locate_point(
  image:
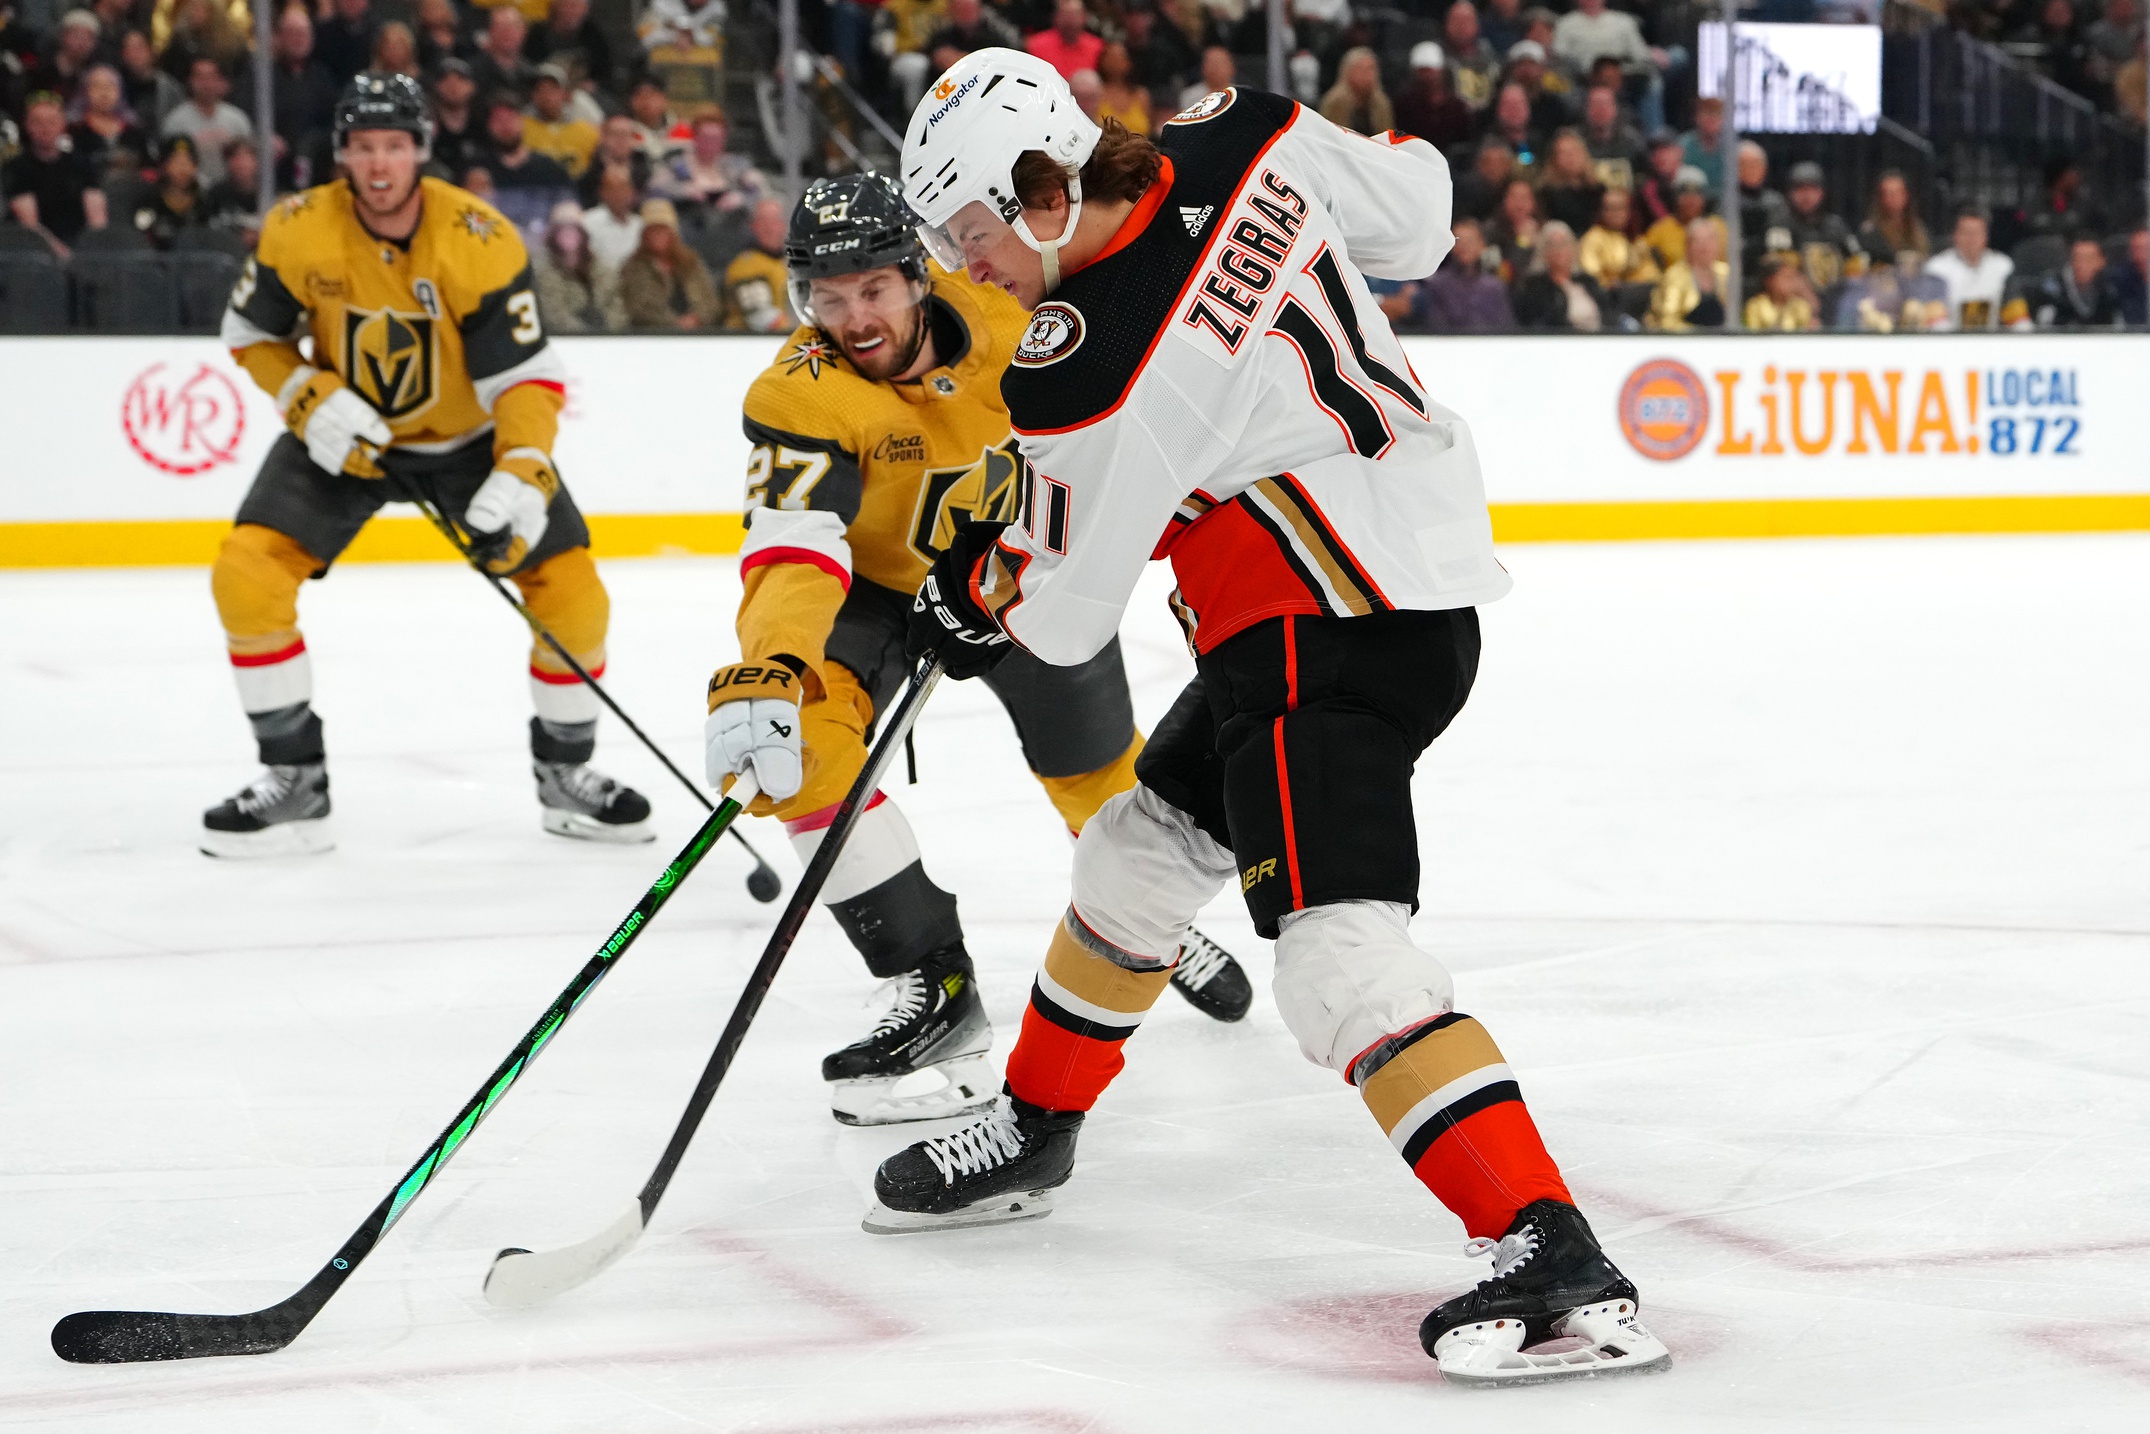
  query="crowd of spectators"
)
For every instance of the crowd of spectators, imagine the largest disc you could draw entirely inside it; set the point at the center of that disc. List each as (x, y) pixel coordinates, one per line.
(1590, 180)
(130, 126)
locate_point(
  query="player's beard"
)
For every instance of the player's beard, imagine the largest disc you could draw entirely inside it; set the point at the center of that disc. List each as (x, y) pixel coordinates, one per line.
(373, 203)
(895, 352)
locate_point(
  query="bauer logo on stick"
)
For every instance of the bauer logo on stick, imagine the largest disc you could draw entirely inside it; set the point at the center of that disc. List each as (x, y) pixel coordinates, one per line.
(1055, 332)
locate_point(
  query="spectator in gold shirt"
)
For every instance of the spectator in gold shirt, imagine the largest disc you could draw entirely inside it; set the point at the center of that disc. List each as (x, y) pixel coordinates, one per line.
(1692, 293)
(1610, 253)
(550, 130)
(1782, 306)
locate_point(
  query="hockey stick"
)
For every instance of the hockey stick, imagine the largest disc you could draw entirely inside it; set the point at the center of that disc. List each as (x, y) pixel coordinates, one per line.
(133, 1336)
(524, 1277)
(763, 884)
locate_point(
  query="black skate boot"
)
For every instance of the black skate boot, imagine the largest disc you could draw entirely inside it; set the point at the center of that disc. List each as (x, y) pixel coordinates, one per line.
(935, 1022)
(282, 812)
(1550, 1282)
(581, 802)
(575, 799)
(1211, 980)
(1005, 1167)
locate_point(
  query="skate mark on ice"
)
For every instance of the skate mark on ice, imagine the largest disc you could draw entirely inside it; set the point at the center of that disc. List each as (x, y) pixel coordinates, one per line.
(855, 1322)
(866, 1321)
(1651, 1218)
(1014, 1421)
(2118, 1351)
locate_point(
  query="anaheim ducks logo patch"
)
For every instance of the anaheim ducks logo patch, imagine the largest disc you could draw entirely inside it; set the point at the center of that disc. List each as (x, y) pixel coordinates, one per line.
(1055, 332)
(1215, 103)
(389, 358)
(810, 355)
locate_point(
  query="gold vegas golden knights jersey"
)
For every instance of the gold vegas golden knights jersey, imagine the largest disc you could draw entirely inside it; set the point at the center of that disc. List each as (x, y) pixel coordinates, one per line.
(850, 476)
(434, 332)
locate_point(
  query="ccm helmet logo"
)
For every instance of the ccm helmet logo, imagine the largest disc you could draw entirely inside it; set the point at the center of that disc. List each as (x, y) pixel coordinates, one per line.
(951, 99)
(837, 247)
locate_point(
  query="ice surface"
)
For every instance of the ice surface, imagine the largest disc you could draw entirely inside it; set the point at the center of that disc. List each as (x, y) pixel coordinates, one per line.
(1806, 885)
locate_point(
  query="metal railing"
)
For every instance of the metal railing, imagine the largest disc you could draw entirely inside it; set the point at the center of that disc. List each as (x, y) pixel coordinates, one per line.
(1994, 123)
(115, 293)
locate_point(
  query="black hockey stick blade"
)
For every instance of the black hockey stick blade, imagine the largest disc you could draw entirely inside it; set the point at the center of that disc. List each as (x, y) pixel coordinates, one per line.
(519, 1277)
(140, 1336)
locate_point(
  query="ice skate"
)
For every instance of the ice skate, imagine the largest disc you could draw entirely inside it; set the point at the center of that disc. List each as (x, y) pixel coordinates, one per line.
(581, 802)
(282, 812)
(925, 1058)
(1555, 1308)
(1000, 1169)
(1213, 982)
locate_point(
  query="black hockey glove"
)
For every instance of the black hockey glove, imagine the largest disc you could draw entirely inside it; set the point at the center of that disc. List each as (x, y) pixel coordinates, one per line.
(946, 620)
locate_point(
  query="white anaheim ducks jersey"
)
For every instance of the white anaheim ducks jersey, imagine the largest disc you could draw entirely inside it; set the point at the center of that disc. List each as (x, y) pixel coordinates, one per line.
(1219, 387)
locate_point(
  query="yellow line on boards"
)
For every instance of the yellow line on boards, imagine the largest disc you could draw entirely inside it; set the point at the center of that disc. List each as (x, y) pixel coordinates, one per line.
(180, 542)
(1817, 517)
(193, 543)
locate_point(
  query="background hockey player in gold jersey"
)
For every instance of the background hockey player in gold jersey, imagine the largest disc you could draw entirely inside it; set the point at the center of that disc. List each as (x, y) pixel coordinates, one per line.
(429, 378)
(879, 434)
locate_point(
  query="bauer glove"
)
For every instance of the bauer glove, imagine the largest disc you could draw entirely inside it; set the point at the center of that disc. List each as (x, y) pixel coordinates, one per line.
(753, 727)
(945, 616)
(506, 516)
(341, 431)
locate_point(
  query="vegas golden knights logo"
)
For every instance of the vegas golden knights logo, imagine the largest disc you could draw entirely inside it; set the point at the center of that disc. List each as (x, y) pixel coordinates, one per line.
(985, 491)
(388, 357)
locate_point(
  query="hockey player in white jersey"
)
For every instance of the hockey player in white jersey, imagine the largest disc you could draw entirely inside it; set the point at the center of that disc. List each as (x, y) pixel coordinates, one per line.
(1206, 379)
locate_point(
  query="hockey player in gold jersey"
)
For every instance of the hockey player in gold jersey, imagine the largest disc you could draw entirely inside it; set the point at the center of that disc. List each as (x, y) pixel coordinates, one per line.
(429, 377)
(878, 434)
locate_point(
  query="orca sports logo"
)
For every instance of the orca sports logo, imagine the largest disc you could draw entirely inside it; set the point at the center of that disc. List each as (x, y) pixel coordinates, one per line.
(1055, 332)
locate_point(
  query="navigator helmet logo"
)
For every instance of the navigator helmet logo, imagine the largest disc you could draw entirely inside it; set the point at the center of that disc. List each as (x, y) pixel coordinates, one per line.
(951, 100)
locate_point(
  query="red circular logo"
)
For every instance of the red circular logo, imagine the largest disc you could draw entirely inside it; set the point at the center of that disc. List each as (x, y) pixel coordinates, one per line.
(1664, 409)
(183, 426)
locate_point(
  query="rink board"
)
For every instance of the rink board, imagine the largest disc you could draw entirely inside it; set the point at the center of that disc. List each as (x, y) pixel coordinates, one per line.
(137, 451)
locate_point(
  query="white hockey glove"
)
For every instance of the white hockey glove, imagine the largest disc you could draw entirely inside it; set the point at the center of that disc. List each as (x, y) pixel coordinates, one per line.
(753, 727)
(506, 516)
(341, 431)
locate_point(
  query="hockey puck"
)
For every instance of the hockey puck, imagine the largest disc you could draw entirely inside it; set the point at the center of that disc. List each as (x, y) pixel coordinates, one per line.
(764, 884)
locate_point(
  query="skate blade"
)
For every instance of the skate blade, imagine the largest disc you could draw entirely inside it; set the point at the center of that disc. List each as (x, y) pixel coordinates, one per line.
(1000, 1210)
(587, 828)
(967, 1086)
(1612, 1341)
(308, 837)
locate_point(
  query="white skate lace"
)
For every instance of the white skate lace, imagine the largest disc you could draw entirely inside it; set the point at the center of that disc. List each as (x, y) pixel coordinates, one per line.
(906, 995)
(266, 790)
(591, 788)
(976, 1149)
(1199, 961)
(1508, 1252)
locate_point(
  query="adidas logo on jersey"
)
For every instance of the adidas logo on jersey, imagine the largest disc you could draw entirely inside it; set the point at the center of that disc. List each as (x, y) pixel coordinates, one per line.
(1195, 218)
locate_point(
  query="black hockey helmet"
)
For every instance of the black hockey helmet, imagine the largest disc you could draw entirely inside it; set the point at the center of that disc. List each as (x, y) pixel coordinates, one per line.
(377, 100)
(847, 225)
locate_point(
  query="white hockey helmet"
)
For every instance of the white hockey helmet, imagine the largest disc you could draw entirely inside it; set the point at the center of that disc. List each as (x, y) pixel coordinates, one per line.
(968, 132)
